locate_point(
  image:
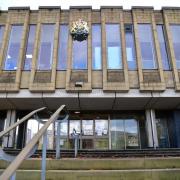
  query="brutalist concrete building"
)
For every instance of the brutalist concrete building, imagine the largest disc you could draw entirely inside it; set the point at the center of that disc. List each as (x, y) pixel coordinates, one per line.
(116, 70)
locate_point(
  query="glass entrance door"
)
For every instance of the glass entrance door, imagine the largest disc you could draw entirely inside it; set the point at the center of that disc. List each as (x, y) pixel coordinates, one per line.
(124, 133)
(33, 126)
(117, 134)
(87, 134)
(162, 132)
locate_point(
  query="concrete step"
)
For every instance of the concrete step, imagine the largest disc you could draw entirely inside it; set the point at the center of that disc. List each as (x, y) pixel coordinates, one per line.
(144, 174)
(99, 164)
(106, 153)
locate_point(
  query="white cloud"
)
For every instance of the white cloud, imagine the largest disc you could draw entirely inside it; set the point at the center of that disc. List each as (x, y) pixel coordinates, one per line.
(4, 4)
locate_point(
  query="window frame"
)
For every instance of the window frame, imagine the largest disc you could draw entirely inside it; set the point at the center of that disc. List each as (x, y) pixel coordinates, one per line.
(101, 63)
(154, 53)
(120, 48)
(134, 45)
(170, 26)
(166, 46)
(59, 47)
(26, 46)
(39, 48)
(7, 47)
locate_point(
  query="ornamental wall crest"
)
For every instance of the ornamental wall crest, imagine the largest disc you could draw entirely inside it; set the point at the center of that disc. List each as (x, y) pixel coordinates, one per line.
(79, 30)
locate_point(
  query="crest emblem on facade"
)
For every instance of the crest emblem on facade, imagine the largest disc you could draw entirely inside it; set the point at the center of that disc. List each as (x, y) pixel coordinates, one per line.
(79, 30)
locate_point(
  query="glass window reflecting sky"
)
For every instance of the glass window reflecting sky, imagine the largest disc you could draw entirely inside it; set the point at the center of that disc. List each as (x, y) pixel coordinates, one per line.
(147, 46)
(30, 47)
(96, 46)
(113, 46)
(163, 49)
(175, 30)
(79, 55)
(46, 47)
(12, 56)
(63, 47)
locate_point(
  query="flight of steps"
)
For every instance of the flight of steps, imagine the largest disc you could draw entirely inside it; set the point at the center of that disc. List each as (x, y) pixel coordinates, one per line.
(142, 168)
(106, 153)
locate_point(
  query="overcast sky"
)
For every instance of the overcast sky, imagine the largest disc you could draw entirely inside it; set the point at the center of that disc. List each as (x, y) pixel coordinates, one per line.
(4, 4)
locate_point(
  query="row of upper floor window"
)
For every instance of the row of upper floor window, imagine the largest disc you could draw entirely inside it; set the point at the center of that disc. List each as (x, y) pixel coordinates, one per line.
(80, 49)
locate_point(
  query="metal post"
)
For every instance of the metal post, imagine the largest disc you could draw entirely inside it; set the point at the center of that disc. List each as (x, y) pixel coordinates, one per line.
(13, 177)
(43, 165)
(58, 153)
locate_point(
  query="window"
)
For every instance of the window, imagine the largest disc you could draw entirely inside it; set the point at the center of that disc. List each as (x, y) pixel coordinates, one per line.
(113, 45)
(30, 47)
(80, 54)
(14, 44)
(147, 46)
(1, 35)
(87, 127)
(101, 127)
(46, 47)
(130, 48)
(63, 47)
(96, 46)
(75, 125)
(175, 29)
(163, 47)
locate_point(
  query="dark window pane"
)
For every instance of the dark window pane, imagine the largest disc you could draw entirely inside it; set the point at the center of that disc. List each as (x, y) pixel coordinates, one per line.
(1, 35)
(96, 46)
(147, 46)
(80, 54)
(175, 29)
(46, 47)
(130, 48)
(30, 47)
(12, 55)
(63, 47)
(113, 45)
(163, 49)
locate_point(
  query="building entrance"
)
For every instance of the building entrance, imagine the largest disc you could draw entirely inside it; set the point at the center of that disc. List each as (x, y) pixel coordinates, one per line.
(95, 133)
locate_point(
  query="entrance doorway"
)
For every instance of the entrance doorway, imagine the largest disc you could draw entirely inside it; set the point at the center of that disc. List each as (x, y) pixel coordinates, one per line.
(98, 132)
(124, 134)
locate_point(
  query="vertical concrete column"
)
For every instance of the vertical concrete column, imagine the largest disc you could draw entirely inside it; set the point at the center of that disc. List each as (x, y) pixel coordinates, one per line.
(151, 130)
(137, 46)
(9, 139)
(5, 41)
(22, 49)
(55, 50)
(36, 49)
(170, 47)
(89, 49)
(69, 55)
(154, 128)
(103, 41)
(148, 127)
(123, 49)
(157, 49)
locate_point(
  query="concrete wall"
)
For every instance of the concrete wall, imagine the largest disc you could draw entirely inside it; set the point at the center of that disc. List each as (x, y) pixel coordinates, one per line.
(144, 80)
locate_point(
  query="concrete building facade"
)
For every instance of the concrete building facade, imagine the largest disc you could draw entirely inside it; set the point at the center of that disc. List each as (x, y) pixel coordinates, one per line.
(121, 85)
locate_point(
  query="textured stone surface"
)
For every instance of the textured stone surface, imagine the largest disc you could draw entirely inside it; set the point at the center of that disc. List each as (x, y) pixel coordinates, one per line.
(109, 81)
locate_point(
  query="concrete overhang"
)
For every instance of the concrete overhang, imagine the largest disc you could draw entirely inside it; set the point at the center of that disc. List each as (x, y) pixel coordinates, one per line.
(96, 100)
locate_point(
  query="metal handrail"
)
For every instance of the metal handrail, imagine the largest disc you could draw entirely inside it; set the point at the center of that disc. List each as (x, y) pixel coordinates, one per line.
(23, 154)
(20, 121)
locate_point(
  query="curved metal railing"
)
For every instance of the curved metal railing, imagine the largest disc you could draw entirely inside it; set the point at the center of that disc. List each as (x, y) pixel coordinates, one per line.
(11, 169)
(2, 133)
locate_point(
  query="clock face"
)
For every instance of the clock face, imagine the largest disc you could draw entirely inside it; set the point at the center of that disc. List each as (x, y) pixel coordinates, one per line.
(79, 30)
